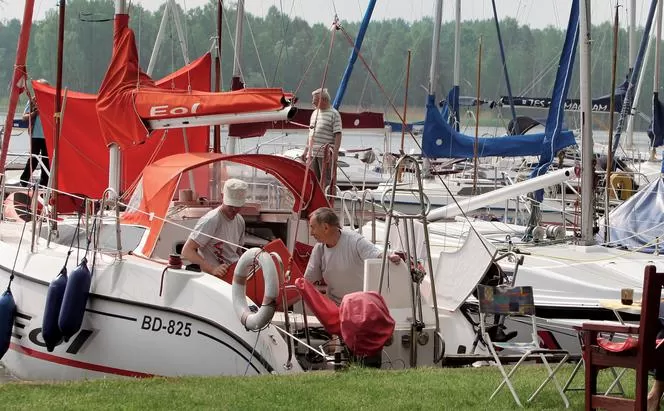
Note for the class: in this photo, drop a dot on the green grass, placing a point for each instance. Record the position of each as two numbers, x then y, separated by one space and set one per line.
354 389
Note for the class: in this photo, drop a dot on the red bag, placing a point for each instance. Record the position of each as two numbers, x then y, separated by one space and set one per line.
366 323
323 308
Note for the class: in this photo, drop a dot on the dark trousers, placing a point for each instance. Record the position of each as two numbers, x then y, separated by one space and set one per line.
38 148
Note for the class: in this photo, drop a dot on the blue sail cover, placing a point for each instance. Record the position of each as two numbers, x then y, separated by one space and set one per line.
638 221
656 128
441 140
554 122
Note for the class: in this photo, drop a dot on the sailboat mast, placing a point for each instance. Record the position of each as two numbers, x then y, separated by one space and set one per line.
58 110
236 82
658 50
19 80
612 105
632 62
454 105
588 170
433 71
113 149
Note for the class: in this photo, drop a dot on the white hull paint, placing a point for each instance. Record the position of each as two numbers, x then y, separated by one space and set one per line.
128 328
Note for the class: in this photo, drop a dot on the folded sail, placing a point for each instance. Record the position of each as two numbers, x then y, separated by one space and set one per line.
128 98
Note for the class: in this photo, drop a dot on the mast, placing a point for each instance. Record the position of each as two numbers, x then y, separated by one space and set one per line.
216 143
353 56
612 105
634 77
433 71
57 112
457 65
236 82
655 87
114 157
588 171
632 62
18 82
515 127
170 5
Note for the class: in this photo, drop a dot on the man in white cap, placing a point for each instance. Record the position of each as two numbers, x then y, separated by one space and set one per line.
218 236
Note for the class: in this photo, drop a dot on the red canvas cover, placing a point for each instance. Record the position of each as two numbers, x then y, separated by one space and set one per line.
82 147
323 308
366 323
256 284
128 97
159 182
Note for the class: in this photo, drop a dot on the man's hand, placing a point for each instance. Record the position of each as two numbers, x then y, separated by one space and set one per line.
395 258
220 271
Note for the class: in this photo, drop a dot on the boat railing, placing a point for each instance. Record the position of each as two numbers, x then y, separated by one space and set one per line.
110 201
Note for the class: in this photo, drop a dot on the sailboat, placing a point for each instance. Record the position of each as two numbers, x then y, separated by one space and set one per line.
145 316
569 277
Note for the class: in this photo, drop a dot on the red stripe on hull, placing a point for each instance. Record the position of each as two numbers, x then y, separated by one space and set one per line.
76 364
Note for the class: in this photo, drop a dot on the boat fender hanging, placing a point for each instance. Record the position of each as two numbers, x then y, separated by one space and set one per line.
7 314
74 300
50 329
245 267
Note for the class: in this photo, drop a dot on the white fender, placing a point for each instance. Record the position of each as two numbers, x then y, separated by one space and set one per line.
243 269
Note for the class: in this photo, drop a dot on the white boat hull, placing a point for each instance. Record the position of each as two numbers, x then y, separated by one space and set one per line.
128 328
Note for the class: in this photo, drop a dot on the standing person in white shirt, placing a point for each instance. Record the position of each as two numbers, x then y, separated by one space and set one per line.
324 135
339 256
203 246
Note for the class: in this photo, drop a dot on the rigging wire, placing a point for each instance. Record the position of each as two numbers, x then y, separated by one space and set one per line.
258 55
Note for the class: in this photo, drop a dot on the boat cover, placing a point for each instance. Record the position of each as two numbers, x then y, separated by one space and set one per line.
366 323
128 97
638 221
151 199
84 161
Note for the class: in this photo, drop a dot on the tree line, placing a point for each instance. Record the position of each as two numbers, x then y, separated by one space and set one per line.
280 51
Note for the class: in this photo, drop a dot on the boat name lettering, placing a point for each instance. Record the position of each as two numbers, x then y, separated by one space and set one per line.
159 111
156 324
74 344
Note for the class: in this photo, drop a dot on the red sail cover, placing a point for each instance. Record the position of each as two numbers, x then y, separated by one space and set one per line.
366 324
83 165
128 97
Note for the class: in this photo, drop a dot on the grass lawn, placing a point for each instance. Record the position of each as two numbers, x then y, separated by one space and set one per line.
354 389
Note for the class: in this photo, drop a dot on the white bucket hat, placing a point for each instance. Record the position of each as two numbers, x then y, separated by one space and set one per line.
235 192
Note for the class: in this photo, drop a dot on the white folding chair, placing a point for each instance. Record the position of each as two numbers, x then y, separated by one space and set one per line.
517 301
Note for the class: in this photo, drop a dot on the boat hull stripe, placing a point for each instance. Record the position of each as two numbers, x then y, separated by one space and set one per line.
75 363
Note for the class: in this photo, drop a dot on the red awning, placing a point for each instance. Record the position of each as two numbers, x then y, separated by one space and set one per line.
149 203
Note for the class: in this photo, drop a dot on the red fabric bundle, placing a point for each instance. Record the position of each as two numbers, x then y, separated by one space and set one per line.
366 324
323 308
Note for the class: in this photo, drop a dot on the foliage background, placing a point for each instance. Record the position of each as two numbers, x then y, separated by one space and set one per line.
278 50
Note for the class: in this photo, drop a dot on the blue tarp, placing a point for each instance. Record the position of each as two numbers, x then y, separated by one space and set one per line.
639 220
440 140
554 121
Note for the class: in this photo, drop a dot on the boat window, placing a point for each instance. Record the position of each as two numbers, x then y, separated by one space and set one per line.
130 236
342 164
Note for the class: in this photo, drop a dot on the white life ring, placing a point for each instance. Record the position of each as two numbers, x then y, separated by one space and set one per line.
243 269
